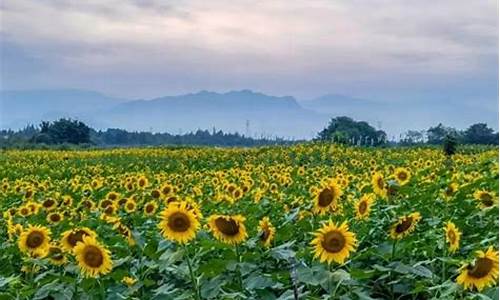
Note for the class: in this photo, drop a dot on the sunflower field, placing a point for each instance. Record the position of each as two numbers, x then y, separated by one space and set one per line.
310 221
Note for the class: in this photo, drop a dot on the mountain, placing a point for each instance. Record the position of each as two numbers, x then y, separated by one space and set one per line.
18 108
242 111
245 111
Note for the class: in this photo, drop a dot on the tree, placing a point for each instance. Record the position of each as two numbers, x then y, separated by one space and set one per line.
347 131
63 131
449 145
480 133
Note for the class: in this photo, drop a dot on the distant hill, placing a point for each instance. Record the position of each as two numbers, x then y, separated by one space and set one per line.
266 116
18 108
237 111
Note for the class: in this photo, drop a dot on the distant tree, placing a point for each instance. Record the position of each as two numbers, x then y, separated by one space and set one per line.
412 137
63 131
450 145
480 133
348 131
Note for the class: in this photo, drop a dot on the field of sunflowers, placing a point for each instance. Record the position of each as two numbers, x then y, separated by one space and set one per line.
311 221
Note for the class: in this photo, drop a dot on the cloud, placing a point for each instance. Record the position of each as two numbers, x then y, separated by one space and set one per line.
382 48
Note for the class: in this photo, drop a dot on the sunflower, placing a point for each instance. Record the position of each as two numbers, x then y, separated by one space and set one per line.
405 225
325 198
130 205
113 196
363 207
35 240
450 190
71 237
452 236
379 185
486 199
166 189
178 223
24 211
129 281
49 204
267 231
142 182
93 259
56 255
228 229
333 242
481 273
150 208
54 217
402 176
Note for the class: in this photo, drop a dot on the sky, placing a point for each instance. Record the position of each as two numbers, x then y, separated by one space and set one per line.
384 50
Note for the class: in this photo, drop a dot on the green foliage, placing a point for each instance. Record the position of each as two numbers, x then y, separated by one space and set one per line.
62 131
450 145
347 131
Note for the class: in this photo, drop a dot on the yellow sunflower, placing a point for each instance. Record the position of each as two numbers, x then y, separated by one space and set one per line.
334 243
267 231
54 217
71 237
378 184
481 273
405 225
486 199
452 236
35 240
130 206
150 208
93 259
326 197
363 207
228 229
402 176
56 255
450 190
178 223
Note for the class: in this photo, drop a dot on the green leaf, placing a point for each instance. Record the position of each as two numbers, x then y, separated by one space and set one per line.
257 281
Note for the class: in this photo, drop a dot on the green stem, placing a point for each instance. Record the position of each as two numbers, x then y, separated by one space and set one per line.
238 258
193 279
101 290
393 253
443 271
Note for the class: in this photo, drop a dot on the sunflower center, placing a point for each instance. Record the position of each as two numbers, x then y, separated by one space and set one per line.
178 222
362 207
35 239
228 227
325 197
155 194
333 241
76 237
149 208
481 268
486 199
56 253
400 228
55 217
48 203
93 256
402 176
264 235
380 183
451 236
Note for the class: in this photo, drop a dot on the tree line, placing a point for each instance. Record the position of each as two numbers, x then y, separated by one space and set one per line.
74 132
342 130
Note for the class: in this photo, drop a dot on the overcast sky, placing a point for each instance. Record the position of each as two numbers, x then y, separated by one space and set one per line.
385 50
